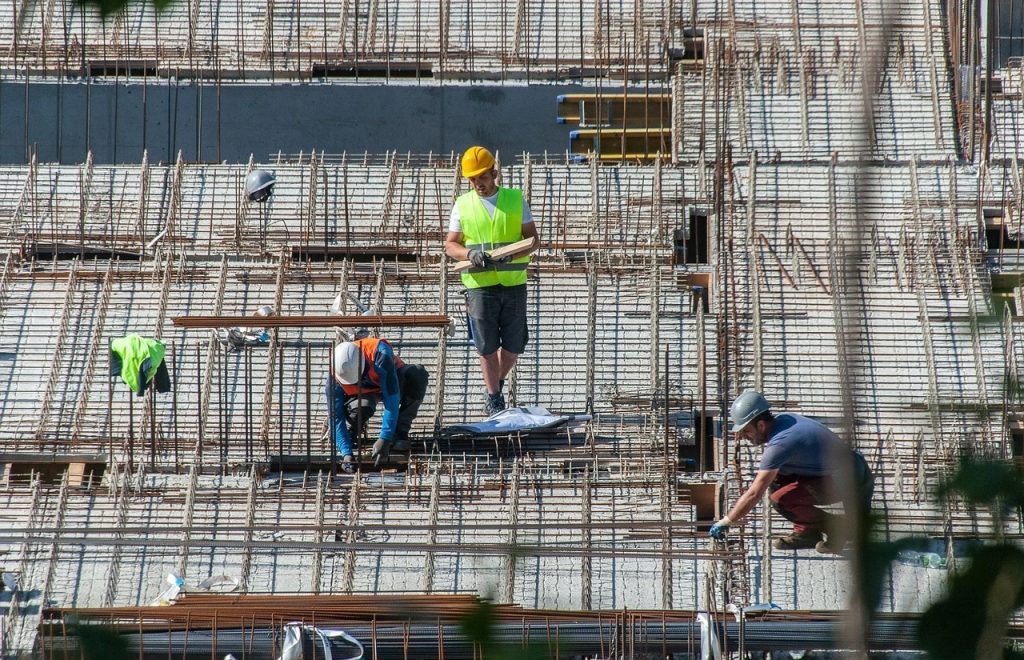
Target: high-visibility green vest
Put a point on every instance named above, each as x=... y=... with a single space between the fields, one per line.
x=133 y=350
x=481 y=231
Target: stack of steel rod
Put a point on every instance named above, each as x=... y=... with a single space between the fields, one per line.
x=399 y=625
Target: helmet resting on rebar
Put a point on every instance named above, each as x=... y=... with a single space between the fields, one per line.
x=476 y=161
x=746 y=408
x=258 y=185
x=265 y=310
x=348 y=363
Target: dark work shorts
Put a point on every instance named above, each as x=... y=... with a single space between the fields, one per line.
x=498 y=318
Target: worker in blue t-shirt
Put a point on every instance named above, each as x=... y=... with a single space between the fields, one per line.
x=802 y=467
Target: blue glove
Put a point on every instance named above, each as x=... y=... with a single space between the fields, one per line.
x=718 y=531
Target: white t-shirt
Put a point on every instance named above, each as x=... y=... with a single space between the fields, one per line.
x=455 y=223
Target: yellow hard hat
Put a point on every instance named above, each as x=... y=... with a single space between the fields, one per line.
x=476 y=161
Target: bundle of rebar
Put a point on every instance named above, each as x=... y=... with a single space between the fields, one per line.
x=397 y=625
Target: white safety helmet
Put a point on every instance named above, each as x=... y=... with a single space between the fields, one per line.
x=348 y=363
x=746 y=408
x=265 y=310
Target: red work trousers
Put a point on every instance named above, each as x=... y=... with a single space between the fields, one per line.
x=797 y=499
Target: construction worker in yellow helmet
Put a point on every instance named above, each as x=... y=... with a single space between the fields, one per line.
x=483 y=219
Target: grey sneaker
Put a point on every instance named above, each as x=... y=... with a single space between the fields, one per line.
x=493 y=403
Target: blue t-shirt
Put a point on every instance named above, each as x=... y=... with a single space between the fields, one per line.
x=799 y=445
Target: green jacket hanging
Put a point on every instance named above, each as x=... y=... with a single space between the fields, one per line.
x=137 y=360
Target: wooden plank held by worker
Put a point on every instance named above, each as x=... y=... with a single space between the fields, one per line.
x=503 y=251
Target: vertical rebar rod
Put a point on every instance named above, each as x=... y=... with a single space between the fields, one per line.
x=591 y=331
x=349 y=567
x=513 y=535
x=666 y=441
x=432 y=516
x=755 y=274
x=655 y=339
x=586 y=568
x=1011 y=378
x=110 y=409
x=330 y=412
x=990 y=67
x=702 y=387
x=151 y=408
x=225 y=414
x=247 y=365
x=666 y=506
x=309 y=413
x=174 y=402
x=318 y=554
x=280 y=408
x=440 y=380
x=199 y=397
x=250 y=522
x=131 y=430
x=266 y=402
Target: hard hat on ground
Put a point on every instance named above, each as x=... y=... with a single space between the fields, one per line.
x=258 y=184
x=746 y=408
x=476 y=161
x=265 y=310
x=348 y=363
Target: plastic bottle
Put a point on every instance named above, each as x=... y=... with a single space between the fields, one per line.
x=933 y=560
x=909 y=557
x=922 y=559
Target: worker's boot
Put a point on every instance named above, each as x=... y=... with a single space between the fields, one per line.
x=798 y=540
x=493 y=403
x=381 y=452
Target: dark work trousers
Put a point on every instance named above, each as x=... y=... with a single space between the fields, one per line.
x=797 y=497
x=412 y=387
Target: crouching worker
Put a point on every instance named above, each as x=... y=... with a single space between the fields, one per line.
x=367 y=371
x=804 y=466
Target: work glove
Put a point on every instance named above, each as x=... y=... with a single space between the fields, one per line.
x=479 y=258
x=719 y=530
x=381 y=452
x=348 y=464
x=500 y=260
